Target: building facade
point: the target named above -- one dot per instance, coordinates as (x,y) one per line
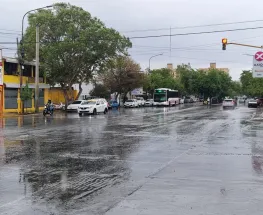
(10,87)
(213,66)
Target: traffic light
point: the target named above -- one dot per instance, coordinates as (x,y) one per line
(224,43)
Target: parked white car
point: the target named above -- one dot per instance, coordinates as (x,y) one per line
(131,103)
(149,102)
(141,101)
(93,106)
(73,107)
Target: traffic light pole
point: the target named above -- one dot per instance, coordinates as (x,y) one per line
(240,44)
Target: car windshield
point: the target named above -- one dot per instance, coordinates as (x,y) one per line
(76,103)
(228,100)
(129,101)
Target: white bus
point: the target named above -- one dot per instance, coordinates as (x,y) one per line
(166,97)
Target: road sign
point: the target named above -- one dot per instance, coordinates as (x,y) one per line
(258,65)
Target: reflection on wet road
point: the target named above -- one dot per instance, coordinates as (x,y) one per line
(178,160)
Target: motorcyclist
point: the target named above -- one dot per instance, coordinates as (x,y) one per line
(50,107)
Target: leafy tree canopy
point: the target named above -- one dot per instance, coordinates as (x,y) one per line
(73,44)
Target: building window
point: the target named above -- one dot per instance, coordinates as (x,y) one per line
(27,71)
(10,68)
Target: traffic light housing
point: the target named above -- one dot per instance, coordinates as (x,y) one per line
(224,43)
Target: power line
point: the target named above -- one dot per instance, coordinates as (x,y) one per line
(153,36)
(196,26)
(196,33)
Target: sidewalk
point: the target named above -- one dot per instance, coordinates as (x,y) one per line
(10,115)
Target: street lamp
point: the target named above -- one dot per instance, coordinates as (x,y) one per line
(49,6)
(151,58)
(37,58)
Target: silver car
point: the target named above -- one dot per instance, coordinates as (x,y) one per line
(229,103)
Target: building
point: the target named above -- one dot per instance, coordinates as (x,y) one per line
(10,86)
(213,66)
(173,71)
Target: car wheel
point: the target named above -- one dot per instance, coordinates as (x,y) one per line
(80,114)
(94,112)
(105,111)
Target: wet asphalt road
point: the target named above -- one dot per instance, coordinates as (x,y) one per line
(183,160)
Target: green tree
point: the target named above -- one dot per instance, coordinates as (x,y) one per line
(188,79)
(213,83)
(121,75)
(161,78)
(101,91)
(26,94)
(251,86)
(73,44)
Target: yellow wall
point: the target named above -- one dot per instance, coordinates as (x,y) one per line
(56,95)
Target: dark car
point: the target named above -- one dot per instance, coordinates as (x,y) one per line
(253,103)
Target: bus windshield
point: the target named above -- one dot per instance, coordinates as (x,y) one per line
(160,97)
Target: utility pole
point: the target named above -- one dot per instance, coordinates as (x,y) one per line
(37,71)
(20,70)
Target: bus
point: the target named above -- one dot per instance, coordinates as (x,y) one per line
(166,97)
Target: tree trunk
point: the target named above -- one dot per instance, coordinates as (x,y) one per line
(80,91)
(66,98)
(23,107)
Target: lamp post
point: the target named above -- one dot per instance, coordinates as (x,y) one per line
(151,58)
(49,6)
(37,58)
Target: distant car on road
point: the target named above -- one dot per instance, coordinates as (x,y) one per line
(252,103)
(73,107)
(131,103)
(149,102)
(229,103)
(141,101)
(59,106)
(241,100)
(93,106)
(188,100)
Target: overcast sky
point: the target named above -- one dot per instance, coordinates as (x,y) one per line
(135,17)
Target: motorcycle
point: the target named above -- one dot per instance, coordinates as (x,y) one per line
(47,110)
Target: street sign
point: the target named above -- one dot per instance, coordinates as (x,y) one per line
(258,65)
